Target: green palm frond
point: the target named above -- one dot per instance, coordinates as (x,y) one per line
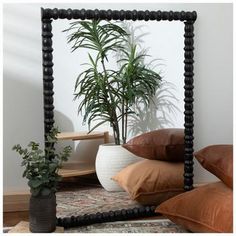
(96,36)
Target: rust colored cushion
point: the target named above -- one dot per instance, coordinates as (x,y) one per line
(151,182)
(163,144)
(206,209)
(218,159)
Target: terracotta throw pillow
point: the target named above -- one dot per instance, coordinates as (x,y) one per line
(206,209)
(163,144)
(151,182)
(218,159)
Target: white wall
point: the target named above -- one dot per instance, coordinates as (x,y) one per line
(22,74)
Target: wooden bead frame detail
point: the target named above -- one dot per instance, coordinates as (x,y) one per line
(188,18)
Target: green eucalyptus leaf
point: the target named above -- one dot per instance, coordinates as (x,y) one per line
(52,167)
(34,183)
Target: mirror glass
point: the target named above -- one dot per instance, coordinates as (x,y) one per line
(162,41)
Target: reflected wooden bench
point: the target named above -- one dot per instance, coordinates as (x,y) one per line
(72,169)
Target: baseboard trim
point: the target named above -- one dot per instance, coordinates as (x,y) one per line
(16,201)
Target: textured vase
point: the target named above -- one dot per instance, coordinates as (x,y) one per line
(42,214)
(110,160)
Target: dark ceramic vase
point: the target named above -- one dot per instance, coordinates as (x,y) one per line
(42,214)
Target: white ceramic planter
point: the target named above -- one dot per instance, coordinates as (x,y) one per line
(110,160)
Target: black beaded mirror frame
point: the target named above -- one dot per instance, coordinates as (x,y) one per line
(188,18)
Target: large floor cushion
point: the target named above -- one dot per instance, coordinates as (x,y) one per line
(206,209)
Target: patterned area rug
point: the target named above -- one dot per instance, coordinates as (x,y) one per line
(88,200)
(138,226)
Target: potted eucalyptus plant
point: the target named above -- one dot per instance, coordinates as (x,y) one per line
(108,94)
(41,169)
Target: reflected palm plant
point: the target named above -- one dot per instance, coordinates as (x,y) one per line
(109,95)
(138,85)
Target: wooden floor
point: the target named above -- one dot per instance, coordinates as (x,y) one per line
(13,218)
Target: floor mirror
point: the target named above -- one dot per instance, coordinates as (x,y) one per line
(173,61)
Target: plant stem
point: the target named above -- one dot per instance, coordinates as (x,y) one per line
(116,137)
(126,121)
(122,112)
(122,119)
(116,131)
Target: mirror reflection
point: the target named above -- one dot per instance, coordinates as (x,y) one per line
(119,80)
